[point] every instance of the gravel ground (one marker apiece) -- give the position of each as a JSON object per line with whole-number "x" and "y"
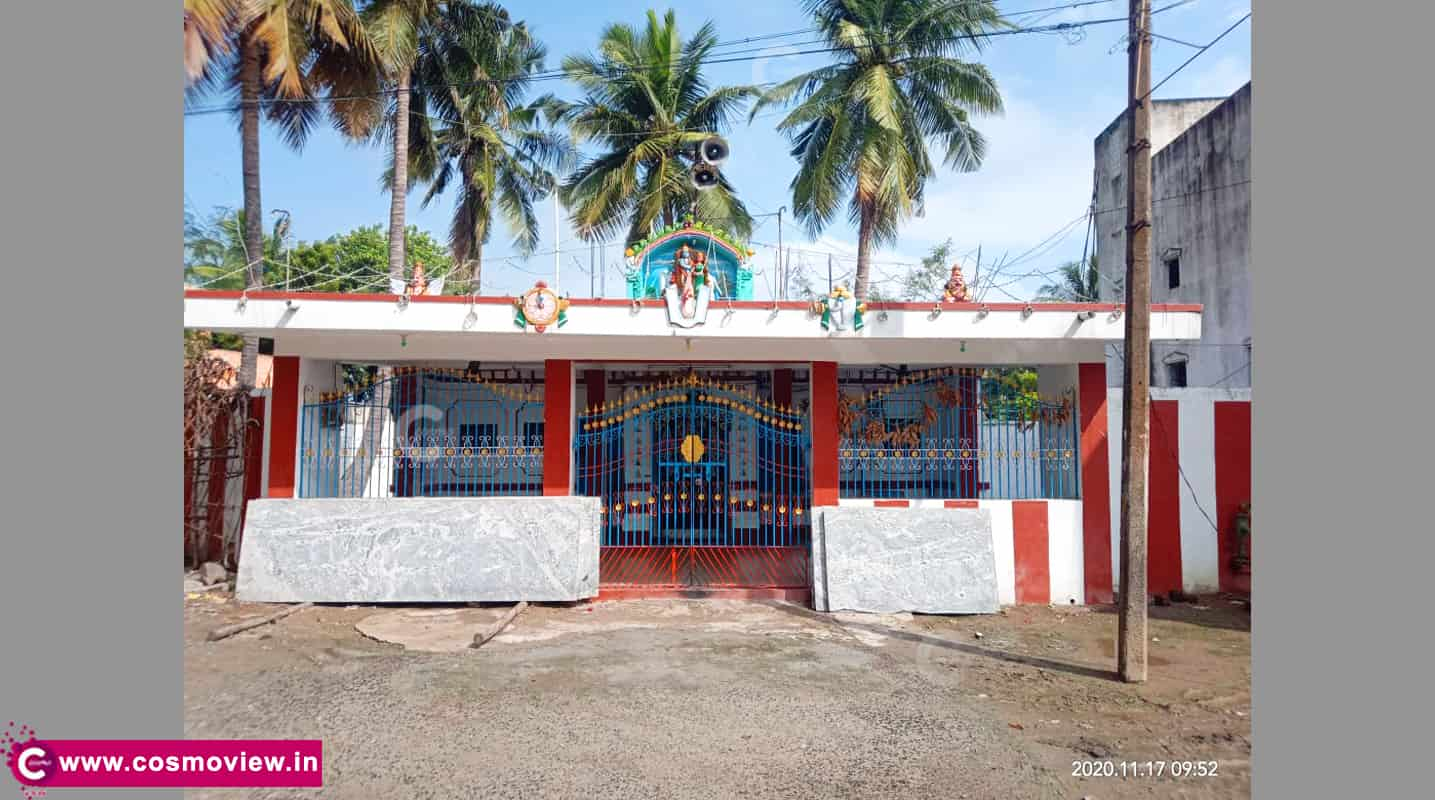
{"x": 701, "y": 699}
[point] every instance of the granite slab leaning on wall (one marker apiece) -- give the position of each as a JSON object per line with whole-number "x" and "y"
{"x": 885, "y": 560}
{"x": 420, "y": 549}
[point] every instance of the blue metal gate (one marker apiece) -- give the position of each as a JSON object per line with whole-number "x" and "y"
{"x": 703, "y": 485}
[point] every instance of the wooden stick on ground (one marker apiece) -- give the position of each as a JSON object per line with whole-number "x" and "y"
{"x": 239, "y": 627}
{"x": 483, "y": 636}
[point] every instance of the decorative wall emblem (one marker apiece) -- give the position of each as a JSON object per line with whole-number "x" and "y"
{"x": 840, "y": 310}
{"x": 540, "y": 307}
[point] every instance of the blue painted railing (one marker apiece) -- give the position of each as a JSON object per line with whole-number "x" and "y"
{"x": 954, "y": 433}
{"x": 424, "y": 432}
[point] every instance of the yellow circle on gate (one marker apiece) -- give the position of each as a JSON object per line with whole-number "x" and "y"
{"x": 692, "y": 448}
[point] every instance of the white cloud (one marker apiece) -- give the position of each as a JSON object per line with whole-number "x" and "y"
{"x": 1036, "y": 178}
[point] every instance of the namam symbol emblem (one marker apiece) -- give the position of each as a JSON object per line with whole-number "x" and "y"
{"x": 540, "y": 307}
{"x": 689, "y": 289}
{"x": 839, "y": 310}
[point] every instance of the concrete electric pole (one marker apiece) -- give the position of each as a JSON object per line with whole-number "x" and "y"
{"x": 1136, "y": 378}
{"x": 781, "y": 266}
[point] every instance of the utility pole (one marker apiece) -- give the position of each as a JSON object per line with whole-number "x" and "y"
{"x": 976, "y": 275}
{"x": 1135, "y": 395}
{"x": 557, "y": 243}
{"x": 592, "y": 273}
{"x": 829, "y": 273}
{"x": 603, "y": 266}
{"x": 781, "y": 274}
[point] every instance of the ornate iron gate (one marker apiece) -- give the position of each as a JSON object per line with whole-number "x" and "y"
{"x": 703, "y": 486}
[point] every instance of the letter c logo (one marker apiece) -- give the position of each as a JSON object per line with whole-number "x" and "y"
{"x": 22, "y": 763}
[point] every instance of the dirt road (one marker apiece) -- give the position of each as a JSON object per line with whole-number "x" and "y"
{"x": 717, "y": 699}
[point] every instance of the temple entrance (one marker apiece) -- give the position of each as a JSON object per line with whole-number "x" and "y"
{"x": 704, "y": 486}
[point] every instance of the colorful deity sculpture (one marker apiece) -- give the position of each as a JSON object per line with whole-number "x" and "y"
{"x": 689, "y": 288}
{"x": 956, "y": 289}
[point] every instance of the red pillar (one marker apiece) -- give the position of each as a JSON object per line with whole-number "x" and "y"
{"x": 782, "y": 387}
{"x": 595, "y": 382}
{"x": 1095, "y": 483}
{"x": 1163, "y": 492}
{"x": 284, "y": 419}
{"x": 557, "y": 427}
{"x": 824, "y": 433}
{"x": 1031, "y": 546}
{"x": 1233, "y": 485}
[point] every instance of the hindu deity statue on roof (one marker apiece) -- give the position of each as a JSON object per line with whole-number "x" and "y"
{"x": 956, "y": 289}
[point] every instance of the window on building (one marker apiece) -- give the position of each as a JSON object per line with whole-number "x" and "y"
{"x": 1174, "y": 365}
{"x": 1173, "y": 270}
{"x": 1176, "y": 373}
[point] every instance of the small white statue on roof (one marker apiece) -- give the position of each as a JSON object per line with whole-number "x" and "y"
{"x": 417, "y": 285}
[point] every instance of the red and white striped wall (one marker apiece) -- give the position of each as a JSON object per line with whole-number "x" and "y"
{"x": 1199, "y": 474}
{"x": 1037, "y": 544}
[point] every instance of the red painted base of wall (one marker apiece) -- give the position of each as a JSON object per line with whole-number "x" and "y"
{"x": 1163, "y": 523}
{"x": 802, "y": 597}
{"x": 1233, "y": 486}
{"x": 1031, "y": 541}
{"x": 1095, "y": 484}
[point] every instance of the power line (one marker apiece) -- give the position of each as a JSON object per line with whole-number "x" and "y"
{"x": 1179, "y": 195}
{"x": 1197, "y": 54}
{"x": 1175, "y": 456}
{"x": 814, "y": 29}
{"x": 732, "y": 58}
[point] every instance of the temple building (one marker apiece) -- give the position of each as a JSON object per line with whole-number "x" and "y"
{"x": 945, "y": 456}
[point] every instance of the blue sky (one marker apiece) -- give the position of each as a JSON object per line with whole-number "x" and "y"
{"x": 1060, "y": 92}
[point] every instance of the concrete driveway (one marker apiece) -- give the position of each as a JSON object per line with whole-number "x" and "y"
{"x": 642, "y": 699}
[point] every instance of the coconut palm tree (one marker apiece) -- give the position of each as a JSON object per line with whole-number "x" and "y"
{"x": 1076, "y": 285}
{"x": 645, "y": 104}
{"x": 860, "y": 127}
{"x": 208, "y": 28}
{"x": 404, "y": 33}
{"x": 485, "y": 139}
{"x": 278, "y": 56}
{"x": 215, "y": 253}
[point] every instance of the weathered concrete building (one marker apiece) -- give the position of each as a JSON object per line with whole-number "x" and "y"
{"x": 1201, "y": 235}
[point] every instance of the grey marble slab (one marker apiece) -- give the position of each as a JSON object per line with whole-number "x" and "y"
{"x": 417, "y": 549}
{"x": 885, "y": 560}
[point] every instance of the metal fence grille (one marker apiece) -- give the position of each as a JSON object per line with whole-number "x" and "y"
{"x": 954, "y": 433}
{"x": 425, "y": 432}
{"x": 702, "y": 484}
{"x": 696, "y": 463}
